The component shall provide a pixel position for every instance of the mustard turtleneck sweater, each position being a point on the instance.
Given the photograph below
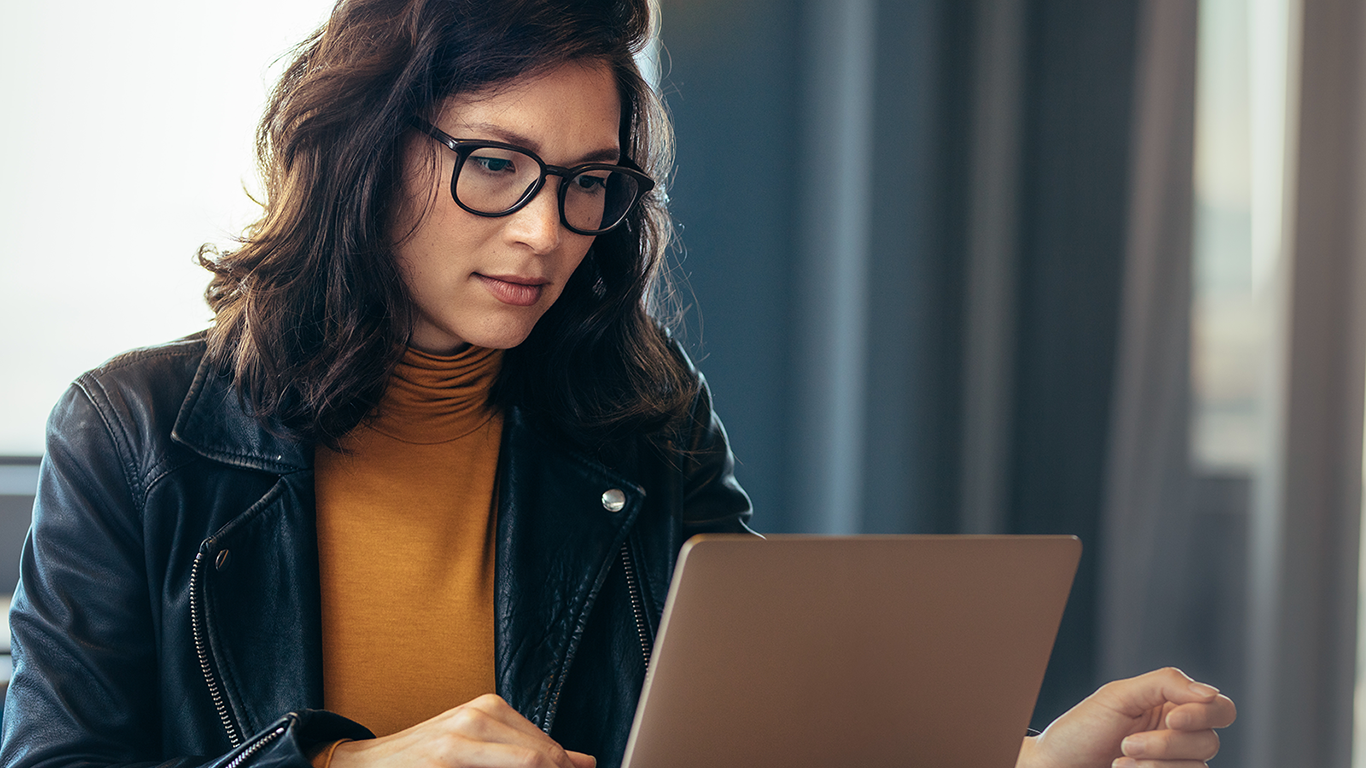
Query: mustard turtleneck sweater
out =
(406, 548)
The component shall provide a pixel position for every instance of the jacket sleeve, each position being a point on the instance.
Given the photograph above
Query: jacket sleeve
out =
(713, 501)
(84, 617)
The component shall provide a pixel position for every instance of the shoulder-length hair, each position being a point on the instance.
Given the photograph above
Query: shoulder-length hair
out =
(310, 312)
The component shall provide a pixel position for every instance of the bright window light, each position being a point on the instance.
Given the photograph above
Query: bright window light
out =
(127, 144)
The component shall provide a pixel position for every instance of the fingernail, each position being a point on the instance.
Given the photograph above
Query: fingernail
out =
(1178, 721)
(1200, 689)
(1125, 762)
(1133, 747)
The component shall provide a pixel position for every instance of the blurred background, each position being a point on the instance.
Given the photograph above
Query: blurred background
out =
(977, 266)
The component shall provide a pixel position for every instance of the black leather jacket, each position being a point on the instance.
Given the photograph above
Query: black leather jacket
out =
(168, 605)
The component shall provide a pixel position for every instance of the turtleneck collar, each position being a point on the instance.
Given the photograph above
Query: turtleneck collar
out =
(438, 398)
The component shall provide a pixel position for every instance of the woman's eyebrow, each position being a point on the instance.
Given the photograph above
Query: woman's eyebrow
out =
(510, 136)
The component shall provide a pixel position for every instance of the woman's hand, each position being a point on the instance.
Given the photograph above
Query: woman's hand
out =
(1159, 720)
(485, 733)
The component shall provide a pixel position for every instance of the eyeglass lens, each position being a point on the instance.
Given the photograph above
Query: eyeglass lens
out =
(493, 180)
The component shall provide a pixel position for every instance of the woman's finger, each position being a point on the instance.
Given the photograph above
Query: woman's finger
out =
(580, 760)
(1131, 763)
(469, 753)
(1137, 696)
(483, 733)
(491, 720)
(1216, 713)
(1171, 745)
(479, 716)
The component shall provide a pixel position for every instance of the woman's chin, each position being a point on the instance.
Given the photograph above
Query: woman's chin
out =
(438, 341)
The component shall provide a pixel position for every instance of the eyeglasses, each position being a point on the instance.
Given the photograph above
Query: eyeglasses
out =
(496, 179)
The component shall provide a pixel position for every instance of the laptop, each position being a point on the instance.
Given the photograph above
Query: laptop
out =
(799, 651)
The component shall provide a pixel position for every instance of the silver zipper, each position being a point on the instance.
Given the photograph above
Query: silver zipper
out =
(201, 647)
(258, 745)
(642, 629)
(637, 602)
(550, 712)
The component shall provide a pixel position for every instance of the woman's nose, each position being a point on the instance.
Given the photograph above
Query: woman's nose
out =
(538, 224)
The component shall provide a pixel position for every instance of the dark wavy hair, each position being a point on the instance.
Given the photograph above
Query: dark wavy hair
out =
(310, 312)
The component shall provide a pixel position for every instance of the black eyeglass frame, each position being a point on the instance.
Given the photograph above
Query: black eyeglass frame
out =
(463, 148)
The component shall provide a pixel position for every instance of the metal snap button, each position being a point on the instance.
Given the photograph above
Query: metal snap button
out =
(221, 561)
(613, 500)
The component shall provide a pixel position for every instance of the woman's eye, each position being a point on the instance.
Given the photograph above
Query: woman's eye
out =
(495, 164)
(587, 183)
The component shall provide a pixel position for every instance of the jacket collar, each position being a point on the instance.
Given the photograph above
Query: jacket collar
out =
(216, 422)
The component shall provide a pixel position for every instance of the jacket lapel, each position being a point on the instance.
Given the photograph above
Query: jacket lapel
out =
(258, 578)
(261, 605)
(557, 537)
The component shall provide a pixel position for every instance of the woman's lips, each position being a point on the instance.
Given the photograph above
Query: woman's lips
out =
(510, 289)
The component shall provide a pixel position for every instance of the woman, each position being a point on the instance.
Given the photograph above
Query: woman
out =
(434, 447)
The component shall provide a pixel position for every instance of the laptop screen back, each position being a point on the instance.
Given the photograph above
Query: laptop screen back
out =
(851, 651)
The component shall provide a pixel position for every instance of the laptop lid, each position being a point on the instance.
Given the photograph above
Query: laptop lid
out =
(799, 651)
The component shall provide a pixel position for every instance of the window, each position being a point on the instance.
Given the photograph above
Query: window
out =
(129, 145)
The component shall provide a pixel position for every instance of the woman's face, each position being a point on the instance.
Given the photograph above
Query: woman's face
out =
(486, 281)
